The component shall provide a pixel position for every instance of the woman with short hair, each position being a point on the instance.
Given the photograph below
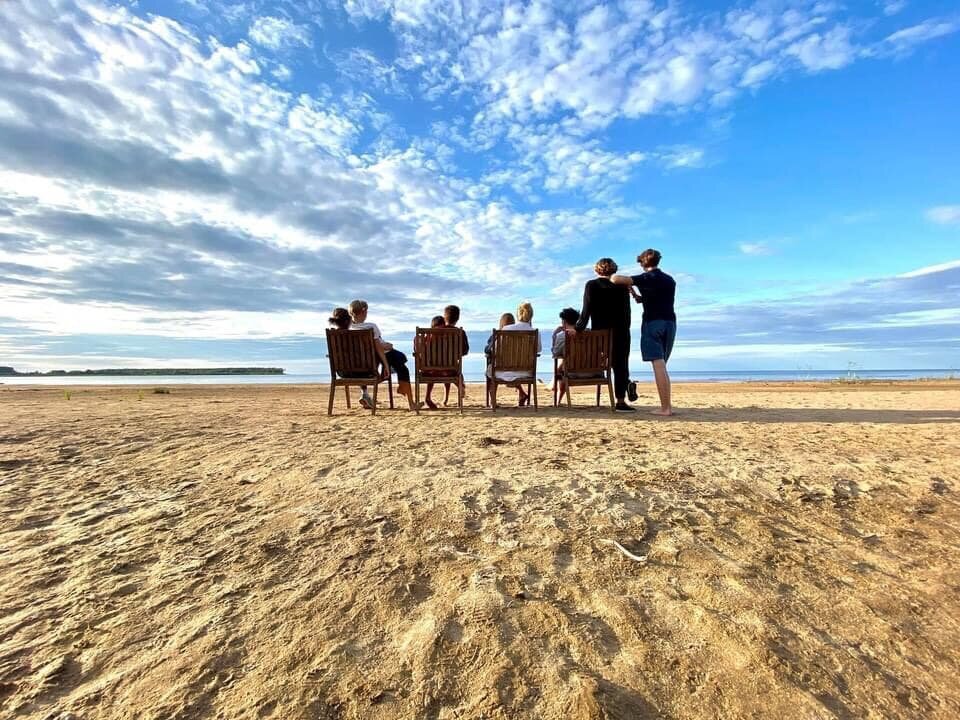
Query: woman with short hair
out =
(606, 306)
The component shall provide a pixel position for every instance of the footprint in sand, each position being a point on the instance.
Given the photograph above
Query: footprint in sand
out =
(563, 558)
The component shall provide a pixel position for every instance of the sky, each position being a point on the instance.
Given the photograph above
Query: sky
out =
(196, 183)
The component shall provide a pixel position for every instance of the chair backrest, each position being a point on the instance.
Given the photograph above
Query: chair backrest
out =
(587, 351)
(515, 351)
(438, 349)
(351, 352)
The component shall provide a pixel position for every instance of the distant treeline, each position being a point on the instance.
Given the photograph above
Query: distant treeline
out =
(10, 372)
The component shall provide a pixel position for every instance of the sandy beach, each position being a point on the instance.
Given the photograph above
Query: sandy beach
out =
(231, 552)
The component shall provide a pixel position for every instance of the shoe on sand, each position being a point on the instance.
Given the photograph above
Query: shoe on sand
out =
(632, 391)
(624, 408)
(365, 402)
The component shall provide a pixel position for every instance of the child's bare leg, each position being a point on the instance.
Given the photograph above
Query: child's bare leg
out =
(446, 394)
(430, 403)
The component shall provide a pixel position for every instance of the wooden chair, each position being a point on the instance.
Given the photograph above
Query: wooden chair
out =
(438, 353)
(586, 361)
(353, 361)
(514, 351)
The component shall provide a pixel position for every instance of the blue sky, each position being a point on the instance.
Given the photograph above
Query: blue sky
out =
(194, 183)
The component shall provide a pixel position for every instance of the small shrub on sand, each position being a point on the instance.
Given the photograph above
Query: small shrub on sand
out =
(161, 391)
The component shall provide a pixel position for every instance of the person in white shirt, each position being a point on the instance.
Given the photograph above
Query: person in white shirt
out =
(396, 359)
(524, 320)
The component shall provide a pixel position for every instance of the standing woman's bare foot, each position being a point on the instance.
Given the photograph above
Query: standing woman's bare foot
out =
(663, 413)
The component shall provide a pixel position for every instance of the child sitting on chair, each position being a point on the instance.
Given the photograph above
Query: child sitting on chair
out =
(568, 327)
(396, 360)
(451, 316)
(437, 322)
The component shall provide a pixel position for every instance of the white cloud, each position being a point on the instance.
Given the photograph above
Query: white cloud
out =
(892, 7)
(275, 33)
(756, 74)
(905, 39)
(931, 269)
(579, 68)
(756, 248)
(364, 67)
(605, 61)
(318, 125)
(683, 157)
(180, 192)
(563, 162)
(829, 51)
(944, 214)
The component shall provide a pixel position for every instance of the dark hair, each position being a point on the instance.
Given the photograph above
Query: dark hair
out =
(451, 314)
(570, 315)
(437, 321)
(507, 319)
(605, 267)
(340, 318)
(649, 258)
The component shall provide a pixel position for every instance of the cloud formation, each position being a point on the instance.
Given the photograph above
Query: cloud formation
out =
(183, 178)
(944, 214)
(275, 33)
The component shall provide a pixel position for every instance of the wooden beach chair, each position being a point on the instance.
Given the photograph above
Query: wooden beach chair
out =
(353, 361)
(438, 353)
(514, 351)
(586, 361)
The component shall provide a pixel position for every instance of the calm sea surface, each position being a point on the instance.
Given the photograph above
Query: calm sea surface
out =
(544, 374)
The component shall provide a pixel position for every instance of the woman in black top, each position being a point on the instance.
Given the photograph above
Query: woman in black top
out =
(606, 306)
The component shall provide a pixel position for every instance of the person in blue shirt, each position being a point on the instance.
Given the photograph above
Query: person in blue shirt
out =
(659, 328)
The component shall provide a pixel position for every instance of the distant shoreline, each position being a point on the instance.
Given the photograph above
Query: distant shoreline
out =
(144, 372)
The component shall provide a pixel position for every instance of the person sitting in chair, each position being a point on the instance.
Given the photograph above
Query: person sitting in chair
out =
(568, 327)
(437, 322)
(451, 316)
(524, 319)
(340, 319)
(396, 360)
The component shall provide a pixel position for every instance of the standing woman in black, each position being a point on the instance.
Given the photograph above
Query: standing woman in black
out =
(607, 307)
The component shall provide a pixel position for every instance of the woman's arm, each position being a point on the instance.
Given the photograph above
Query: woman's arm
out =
(585, 311)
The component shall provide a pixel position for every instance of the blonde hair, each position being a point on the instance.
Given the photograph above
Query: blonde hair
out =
(524, 312)
(357, 308)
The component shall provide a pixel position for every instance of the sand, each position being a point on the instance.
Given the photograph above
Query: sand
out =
(232, 552)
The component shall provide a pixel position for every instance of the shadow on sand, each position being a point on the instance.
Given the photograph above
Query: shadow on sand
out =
(732, 415)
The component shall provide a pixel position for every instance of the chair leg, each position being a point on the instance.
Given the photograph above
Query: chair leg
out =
(613, 403)
(346, 392)
(390, 390)
(568, 388)
(493, 395)
(598, 394)
(535, 405)
(376, 386)
(416, 393)
(460, 396)
(333, 390)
